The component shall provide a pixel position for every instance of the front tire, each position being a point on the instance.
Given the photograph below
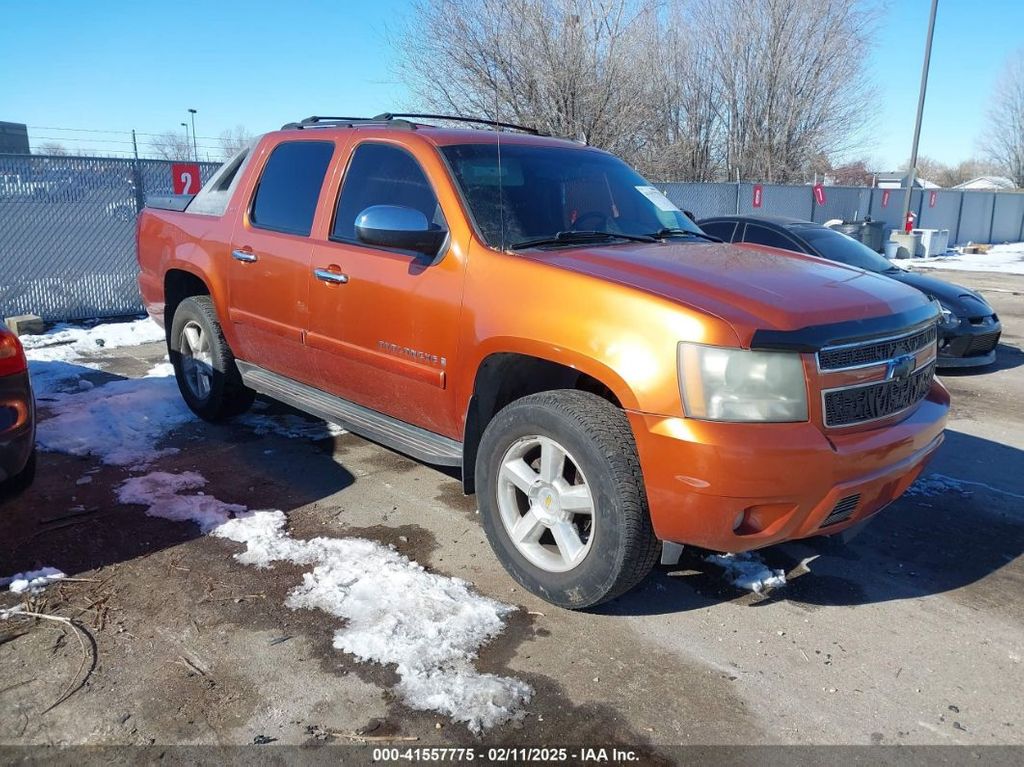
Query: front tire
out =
(203, 363)
(562, 498)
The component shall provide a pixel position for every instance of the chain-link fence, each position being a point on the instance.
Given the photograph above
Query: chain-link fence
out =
(67, 224)
(67, 233)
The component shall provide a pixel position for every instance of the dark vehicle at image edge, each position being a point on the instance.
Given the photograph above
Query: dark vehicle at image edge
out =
(969, 329)
(17, 417)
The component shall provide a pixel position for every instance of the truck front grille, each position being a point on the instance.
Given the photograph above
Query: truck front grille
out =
(874, 352)
(868, 402)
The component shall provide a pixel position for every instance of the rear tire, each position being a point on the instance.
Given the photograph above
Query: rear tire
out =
(562, 498)
(203, 363)
(14, 486)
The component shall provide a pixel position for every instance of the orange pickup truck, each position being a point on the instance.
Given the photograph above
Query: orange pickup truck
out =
(607, 376)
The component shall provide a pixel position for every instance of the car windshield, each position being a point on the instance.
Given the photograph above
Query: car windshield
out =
(837, 246)
(559, 196)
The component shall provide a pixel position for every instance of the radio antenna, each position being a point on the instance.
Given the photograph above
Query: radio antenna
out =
(497, 129)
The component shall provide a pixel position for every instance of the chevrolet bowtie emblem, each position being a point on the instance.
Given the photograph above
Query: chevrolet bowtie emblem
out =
(900, 368)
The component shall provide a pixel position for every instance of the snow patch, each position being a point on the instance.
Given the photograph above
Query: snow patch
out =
(290, 425)
(747, 571)
(165, 496)
(119, 422)
(938, 484)
(430, 626)
(32, 582)
(58, 359)
(1006, 259)
(69, 342)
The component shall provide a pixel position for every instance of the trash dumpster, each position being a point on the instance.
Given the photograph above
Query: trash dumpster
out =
(871, 233)
(934, 242)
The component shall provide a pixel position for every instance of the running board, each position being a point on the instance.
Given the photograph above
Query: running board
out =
(419, 443)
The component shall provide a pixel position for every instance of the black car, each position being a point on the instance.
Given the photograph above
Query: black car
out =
(17, 417)
(969, 330)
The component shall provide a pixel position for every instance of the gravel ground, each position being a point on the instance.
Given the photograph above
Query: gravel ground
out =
(910, 634)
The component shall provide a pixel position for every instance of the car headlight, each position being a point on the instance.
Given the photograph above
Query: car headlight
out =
(720, 384)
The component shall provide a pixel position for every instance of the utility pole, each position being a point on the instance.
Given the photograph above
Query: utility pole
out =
(185, 126)
(195, 148)
(912, 175)
(140, 195)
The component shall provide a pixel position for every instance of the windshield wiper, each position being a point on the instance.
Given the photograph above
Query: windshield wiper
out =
(674, 232)
(573, 237)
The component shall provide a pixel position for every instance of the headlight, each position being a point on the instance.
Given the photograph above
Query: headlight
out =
(720, 384)
(949, 319)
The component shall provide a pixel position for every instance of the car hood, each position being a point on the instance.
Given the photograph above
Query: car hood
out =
(750, 287)
(964, 302)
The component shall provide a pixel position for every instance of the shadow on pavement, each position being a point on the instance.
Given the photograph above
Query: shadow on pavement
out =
(922, 545)
(70, 517)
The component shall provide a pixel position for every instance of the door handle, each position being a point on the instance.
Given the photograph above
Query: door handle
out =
(245, 256)
(334, 278)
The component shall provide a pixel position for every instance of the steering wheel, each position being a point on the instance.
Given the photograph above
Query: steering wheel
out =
(602, 220)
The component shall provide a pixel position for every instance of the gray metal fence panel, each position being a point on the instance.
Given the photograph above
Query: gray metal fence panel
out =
(1007, 218)
(976, 217)
(67, 233)
(702, 200)
(844, 202)
(944, 215)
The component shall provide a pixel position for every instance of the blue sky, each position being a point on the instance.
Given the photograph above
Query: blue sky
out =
(113, 66)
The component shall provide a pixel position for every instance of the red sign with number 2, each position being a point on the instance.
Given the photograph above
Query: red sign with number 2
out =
(185, 177)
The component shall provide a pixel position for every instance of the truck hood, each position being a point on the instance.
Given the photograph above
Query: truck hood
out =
(749, 287)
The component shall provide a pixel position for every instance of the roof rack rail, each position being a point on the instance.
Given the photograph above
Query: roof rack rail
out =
(456, 118)
(393, 120)
(345, 122)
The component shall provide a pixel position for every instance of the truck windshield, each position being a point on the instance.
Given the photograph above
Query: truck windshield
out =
(560, 197)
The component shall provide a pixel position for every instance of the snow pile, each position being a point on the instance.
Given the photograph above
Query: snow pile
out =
(429, 626)
(162, 494)
(67, 342)
(1007, 259)
(290, 425)
(119, 422)
(32, 582)
(747, 571)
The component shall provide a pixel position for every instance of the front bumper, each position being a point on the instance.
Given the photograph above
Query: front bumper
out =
(735, 487)
(969, 344)
(17, 424)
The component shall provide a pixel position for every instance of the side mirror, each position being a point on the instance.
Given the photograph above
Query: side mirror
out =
(395, 226)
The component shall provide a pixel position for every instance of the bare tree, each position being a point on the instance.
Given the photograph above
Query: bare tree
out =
(792, 80)
(1003, 142)
(234, 140)
(171, 145)
(852, 173)
(52, 147)
(694, 89)
(569, 67)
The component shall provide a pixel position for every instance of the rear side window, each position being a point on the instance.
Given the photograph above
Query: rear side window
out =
(761, 235)
(383, 175)
(290, 186)
(723, 230)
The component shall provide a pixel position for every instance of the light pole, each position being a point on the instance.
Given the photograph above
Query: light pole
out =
(185, 126)
(195, 149)
(920, 110)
